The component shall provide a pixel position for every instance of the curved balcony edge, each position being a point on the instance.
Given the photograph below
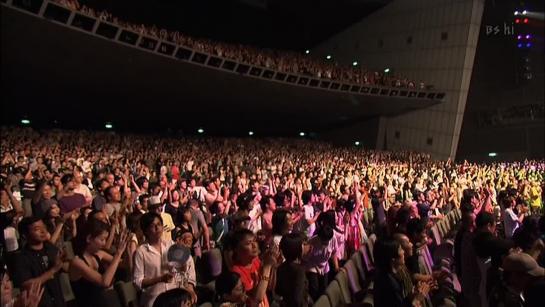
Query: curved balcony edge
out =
(105, 30)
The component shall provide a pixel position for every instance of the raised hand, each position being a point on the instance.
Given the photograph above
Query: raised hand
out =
(271, 256)
(123, 242)
(33, 296)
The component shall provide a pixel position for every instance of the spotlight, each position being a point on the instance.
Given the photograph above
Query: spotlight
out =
(524, 12)
(250, 133)
(528, 36)
(387, 70)
(525, 20)
(108, 126)
(519, 37)
(492, 154)
(301, 133)
(516, 13)
(25, 121)
(357, 143)
(200, 130)
(307, 51)
(328, 57)
(355, 63)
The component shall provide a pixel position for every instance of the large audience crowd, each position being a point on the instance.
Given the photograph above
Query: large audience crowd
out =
(248, 222)
(283, 61)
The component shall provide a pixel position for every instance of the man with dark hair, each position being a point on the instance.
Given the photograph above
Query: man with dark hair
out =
(168, 223)
(39, 262)
(113, 201)
(200, 228)
(486, 243)
(488, 249)
(307, 224)
(100, 200)
(323, 248)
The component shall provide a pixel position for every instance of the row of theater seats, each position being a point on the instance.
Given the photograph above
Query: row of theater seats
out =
(354, 283)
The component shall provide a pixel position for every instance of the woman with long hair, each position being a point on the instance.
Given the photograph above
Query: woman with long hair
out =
(92, 270)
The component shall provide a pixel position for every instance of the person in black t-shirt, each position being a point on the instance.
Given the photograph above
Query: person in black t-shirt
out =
(39, 262)
(292, 283)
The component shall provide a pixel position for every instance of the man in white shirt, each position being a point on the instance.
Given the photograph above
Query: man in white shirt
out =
(81, 188)
(152, 273)
(323, 248)
(511, 221)
(307, 224)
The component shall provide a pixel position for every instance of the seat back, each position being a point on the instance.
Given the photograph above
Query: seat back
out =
(66, 287)
(442, 228)
(353, 277)
(333, 292)
(342, 279)
(366, 258)
(422, 261)
(358, 263)
(127, 294)
(371, 246)
(484, 265)
(68, 250)
(110, 298)
(323, 301)
(436, 235)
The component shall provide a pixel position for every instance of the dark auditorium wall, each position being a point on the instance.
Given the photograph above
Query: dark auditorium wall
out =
(497, 86)
(366, 132)
(429, 40)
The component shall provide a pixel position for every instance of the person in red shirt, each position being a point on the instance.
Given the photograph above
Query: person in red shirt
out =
(175, 171)
(254, 275)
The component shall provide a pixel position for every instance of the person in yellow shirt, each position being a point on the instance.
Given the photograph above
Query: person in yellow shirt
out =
(535, 198)
(168, 224)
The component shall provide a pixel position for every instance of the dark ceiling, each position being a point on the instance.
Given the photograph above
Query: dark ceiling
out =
(283, 24)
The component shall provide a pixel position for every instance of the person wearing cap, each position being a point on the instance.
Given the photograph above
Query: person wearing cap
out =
(519, 271)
